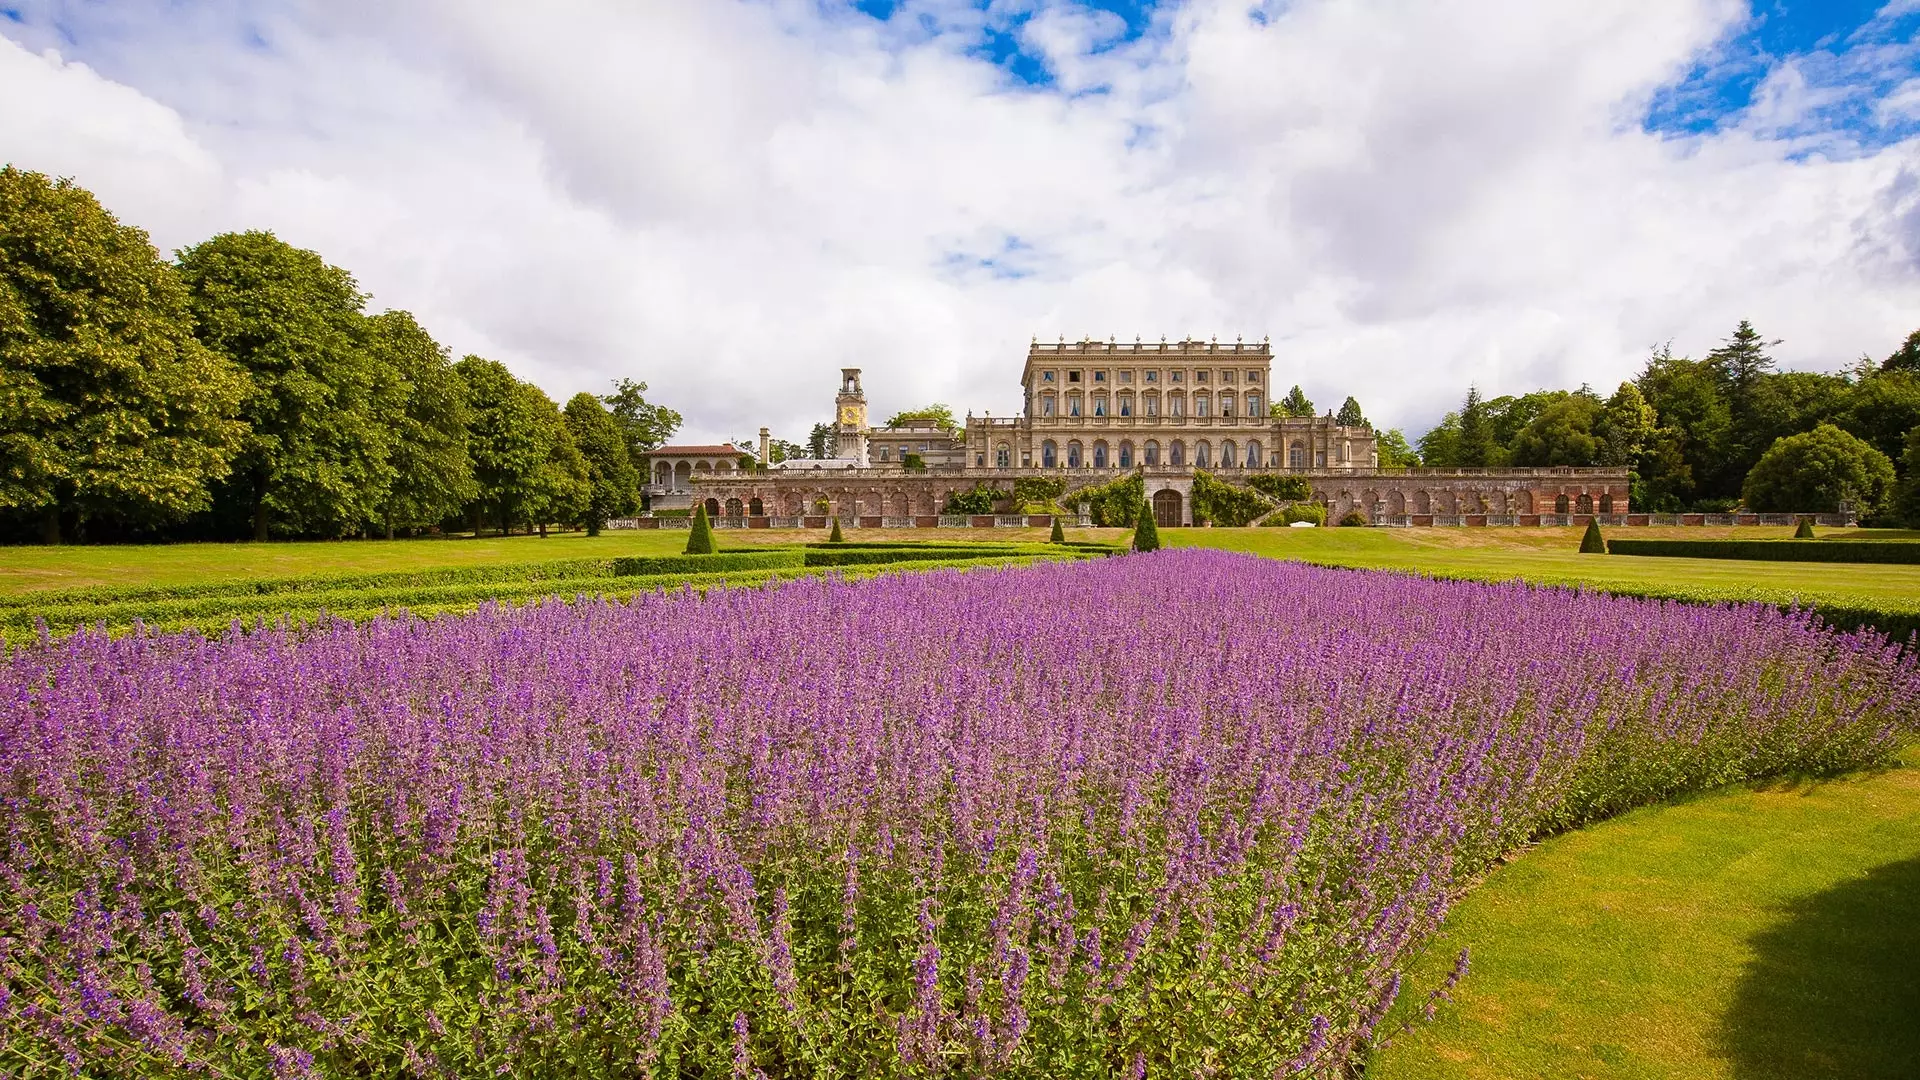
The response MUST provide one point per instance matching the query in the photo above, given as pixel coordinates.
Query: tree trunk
(259, 509)
(593, 526)
(477, 519)
(543, 530)
(506, 521)
(50, 525)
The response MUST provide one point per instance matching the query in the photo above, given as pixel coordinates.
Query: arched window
(1049, 454)
(1253, 404)
(756, 507)
(1150, 453)
(1202, 453)
(1100, 454)
(1073, 454)
(1606, 503)
(1227, 458)
(1584, 505)
(1254, 460)
(1176, 404)
(1296, 455)
(1150, 404)
(1126, 455)
(1176, 453)
(735, 508)
(1560, 504)
(1073, 404)
(1200, 402)
(1226, 403)
(1002, 456)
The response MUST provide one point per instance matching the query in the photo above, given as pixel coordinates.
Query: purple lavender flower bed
(1158, 814)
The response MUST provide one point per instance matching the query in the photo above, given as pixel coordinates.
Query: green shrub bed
(1851, 551)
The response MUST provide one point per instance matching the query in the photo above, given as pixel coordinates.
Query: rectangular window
(1253, 376)
(1126, 406)
(1320, 459)
(1046, 406)
(1153, 406)
(1199, 376)
(1046, 376)
(1073, 407)
(1153, 376)
(1099, 376)
(1176, 376)
(1226, 376)
(1073, 376)
(1126, 376)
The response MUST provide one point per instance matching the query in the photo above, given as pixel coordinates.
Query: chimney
(766, 449)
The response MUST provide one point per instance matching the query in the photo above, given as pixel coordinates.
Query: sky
(733, 199)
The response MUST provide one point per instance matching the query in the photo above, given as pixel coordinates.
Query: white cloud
(733, 200)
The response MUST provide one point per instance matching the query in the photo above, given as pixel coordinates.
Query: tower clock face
(849, 414)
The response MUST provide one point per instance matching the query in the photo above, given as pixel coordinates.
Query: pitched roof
(714, 450)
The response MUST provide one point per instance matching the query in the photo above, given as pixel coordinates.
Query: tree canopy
(613, 485)
(940, 414)
(432, 471)
(108, 402)
(1350, 414)
(1817, 470)
(1295, 403)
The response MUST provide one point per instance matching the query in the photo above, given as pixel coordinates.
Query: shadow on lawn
(1835, 990)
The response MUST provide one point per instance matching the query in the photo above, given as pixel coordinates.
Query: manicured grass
(25, 569)
(1552, 556)
(1746, 935)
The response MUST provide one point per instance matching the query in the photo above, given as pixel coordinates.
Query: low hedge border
(1840, 551)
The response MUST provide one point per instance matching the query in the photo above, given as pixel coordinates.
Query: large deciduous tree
(108, 403)
(644, 425)
(1294, 404)
(938, 413)
(613, 484)
(426, 405)
(316, 459)
(505, 439)
(1562, 434)
(1816, 470)
(562, 486)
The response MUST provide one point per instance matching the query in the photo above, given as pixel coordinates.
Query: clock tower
(850, 419)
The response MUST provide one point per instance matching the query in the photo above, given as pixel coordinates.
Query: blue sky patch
(1850, 57)
(1000, 42)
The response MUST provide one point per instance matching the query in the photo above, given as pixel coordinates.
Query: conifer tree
(1059, 535)
(1805, 530)
(1146, 535)
(1592, 543)
(700, 542)
(834, 537)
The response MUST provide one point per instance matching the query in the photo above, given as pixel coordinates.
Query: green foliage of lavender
(927, 824)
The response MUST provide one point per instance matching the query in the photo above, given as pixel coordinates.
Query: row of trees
(1715, 432)
(242, 389)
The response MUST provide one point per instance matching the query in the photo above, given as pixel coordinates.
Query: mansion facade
(1093, 411)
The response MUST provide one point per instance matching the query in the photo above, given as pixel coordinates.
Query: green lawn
(1551, 555)
(26, 569)
(1769, 934)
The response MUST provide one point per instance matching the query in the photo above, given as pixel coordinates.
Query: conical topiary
(1146, 535)
(1805, 531)
(1059, 535)
(834, 537)
(700, 542)
(1592, 543)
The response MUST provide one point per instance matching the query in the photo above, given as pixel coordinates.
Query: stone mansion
(1095, 410)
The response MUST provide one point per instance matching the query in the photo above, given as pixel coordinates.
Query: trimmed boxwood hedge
(1843, 551)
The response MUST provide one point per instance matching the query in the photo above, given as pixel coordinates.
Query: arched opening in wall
(736, 509)
(757, 507)
(1229, 455)
(1297, 456)
(1049, 454)
(663, 474)
(1561, 504)
(1126, 454)
(1422, 503)
(822, 506)
(703, 466)
(1497, 503)
(1255, 455)
(924, 503)
(682, 475)
(1150, 453)
(713, 508)
(1003, 456)
(902, 504)
(1523, 502)
(1100, 454)
(1202, 455)
(1166, 509)
(1396, 503)
(1606, 503)
(1584, 504)
(1370, 503)
(1073, 454)
(1176, 453)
